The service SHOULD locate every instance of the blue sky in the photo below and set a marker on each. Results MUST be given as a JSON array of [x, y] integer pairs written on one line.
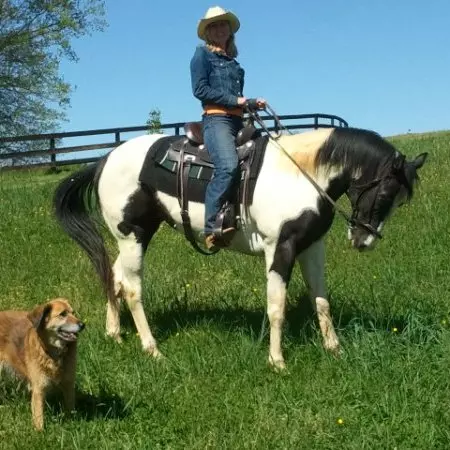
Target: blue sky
[[380, 64]]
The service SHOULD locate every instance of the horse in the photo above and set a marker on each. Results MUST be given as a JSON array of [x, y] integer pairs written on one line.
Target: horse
[[286, 221]]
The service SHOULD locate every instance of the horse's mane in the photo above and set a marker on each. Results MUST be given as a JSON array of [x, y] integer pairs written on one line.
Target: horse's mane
[[354, 149]]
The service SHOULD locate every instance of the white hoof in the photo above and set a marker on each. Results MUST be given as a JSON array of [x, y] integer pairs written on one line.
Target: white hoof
[[333, 347], [154, 352], [277, 364], [115, 336]]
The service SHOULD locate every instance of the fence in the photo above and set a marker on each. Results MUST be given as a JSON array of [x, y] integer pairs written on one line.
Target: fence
[[51, 149]]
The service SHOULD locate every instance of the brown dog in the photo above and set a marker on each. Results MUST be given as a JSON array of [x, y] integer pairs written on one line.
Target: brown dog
[[40, 346]]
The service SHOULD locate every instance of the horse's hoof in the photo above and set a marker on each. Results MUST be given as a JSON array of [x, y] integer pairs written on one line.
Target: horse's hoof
[[155, 353], [277, 364], [334, 350], [115, 337]]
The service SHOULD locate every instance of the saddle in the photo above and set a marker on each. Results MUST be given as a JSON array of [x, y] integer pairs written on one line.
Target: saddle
[[191, 151]]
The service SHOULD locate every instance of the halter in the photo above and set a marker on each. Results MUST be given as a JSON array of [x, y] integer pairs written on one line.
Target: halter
[[352, 220]]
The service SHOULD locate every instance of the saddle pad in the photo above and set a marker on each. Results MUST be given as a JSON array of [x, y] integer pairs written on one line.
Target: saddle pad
[[160, 174]]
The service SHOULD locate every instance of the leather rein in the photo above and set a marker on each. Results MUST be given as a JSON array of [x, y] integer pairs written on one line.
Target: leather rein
[[352, 219]]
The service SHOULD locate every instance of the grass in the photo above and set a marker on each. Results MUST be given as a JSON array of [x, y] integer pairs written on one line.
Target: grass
[[389, 390]]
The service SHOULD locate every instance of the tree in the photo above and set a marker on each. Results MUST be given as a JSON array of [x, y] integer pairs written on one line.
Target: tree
[[34, 36], [154, 121]]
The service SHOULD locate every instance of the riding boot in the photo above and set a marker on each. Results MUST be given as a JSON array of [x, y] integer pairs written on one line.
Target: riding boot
[[214, 241]]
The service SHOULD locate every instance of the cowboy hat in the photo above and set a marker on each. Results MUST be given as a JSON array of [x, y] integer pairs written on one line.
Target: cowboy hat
[[214, 14]]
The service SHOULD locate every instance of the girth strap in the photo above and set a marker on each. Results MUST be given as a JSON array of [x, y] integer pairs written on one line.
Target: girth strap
[[183, 169]]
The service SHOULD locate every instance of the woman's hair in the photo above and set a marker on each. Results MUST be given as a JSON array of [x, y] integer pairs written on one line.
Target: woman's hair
[[231, 49]]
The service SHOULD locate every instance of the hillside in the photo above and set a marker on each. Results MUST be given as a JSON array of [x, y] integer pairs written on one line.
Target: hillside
[[388, 389]]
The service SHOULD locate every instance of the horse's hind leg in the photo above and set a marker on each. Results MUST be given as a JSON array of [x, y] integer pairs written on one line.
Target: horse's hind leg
[[113, 305], [141, 218], [131, 256], [312, 262]]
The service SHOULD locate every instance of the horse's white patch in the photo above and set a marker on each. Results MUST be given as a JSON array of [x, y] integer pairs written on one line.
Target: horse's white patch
[[370, 239], [270, 210], [120, 177]]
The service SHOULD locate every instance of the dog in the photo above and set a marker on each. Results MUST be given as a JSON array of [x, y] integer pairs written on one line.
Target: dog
[[40, 346]]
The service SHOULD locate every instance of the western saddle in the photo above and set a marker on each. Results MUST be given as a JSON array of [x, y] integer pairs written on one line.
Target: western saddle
[[191, 151]]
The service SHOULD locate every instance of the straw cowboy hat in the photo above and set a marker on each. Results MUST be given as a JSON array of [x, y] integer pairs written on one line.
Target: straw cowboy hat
[[215, 14]]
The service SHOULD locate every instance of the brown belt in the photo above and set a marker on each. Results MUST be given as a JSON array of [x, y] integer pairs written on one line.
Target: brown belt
[[217, 109]]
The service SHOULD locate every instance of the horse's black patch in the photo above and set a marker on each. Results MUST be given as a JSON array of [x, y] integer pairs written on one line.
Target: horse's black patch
[[142, 216], [297, 235], [159, 173], [356, 148]]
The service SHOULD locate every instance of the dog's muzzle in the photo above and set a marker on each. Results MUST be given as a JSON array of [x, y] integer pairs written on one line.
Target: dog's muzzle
[[69, 332]]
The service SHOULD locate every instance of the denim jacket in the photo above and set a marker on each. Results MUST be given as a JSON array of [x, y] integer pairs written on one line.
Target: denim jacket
[[216, 79]]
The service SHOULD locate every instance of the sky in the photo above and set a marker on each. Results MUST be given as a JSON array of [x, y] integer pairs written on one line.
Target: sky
[[383, 65]]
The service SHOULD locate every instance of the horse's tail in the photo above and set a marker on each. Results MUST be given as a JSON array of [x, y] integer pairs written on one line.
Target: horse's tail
[[76, 197]]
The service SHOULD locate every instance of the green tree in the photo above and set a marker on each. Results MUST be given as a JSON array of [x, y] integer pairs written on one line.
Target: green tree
[[35, 35], [154, 121]]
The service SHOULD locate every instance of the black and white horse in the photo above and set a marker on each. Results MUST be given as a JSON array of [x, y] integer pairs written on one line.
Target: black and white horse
[[286, 221]]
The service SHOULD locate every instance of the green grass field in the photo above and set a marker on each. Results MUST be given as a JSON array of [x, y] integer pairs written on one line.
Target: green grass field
[[390, 389]]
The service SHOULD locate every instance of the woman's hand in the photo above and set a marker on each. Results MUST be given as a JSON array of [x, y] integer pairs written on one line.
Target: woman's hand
[[254, 104], [241, 101], [261, 103]]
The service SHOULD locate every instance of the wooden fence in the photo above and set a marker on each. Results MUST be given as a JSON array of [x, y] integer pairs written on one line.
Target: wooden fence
[[53, 144]]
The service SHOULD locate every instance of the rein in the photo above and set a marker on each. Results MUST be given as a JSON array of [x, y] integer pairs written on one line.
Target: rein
[[351, 220]]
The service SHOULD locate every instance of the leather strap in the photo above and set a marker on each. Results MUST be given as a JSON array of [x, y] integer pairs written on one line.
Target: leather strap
[[183, 169]]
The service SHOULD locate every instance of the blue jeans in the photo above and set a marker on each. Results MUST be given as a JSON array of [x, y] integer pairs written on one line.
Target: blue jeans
[[219, 133]]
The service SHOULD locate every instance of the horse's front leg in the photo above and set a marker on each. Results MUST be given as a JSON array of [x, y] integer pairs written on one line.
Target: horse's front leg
[[312, 262], [280, 258]]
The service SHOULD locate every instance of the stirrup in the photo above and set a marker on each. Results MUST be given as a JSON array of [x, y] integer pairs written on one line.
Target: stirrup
[[220, 239]]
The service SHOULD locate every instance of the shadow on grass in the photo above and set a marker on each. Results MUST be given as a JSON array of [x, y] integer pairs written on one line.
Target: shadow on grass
[[87, 407], [301, 324], [90, 407], [254, 322]]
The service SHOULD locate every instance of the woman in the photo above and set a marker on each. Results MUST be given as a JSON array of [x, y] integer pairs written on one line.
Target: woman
[[218, 82]]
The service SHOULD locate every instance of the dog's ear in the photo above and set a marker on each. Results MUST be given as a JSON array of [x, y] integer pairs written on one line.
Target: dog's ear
[[38, 315]]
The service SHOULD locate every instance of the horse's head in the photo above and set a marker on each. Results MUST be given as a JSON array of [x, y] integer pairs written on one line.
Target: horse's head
[[373, 200]]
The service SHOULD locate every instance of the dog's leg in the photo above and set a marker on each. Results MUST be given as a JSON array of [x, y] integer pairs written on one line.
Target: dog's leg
[[37, 407], [68, 390], [68, 379]]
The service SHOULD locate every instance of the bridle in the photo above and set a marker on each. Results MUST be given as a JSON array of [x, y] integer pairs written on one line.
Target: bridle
[[364, 189], [352, 220]]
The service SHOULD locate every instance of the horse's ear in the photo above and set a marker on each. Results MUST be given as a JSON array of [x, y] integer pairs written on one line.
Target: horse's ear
[[420, 160], [38, 315], [398, 163]]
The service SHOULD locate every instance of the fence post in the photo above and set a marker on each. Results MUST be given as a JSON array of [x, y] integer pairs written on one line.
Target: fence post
[[117, 137], [53, 155]]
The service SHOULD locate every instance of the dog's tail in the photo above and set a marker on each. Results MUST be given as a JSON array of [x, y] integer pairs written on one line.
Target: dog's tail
[[75, 199]]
